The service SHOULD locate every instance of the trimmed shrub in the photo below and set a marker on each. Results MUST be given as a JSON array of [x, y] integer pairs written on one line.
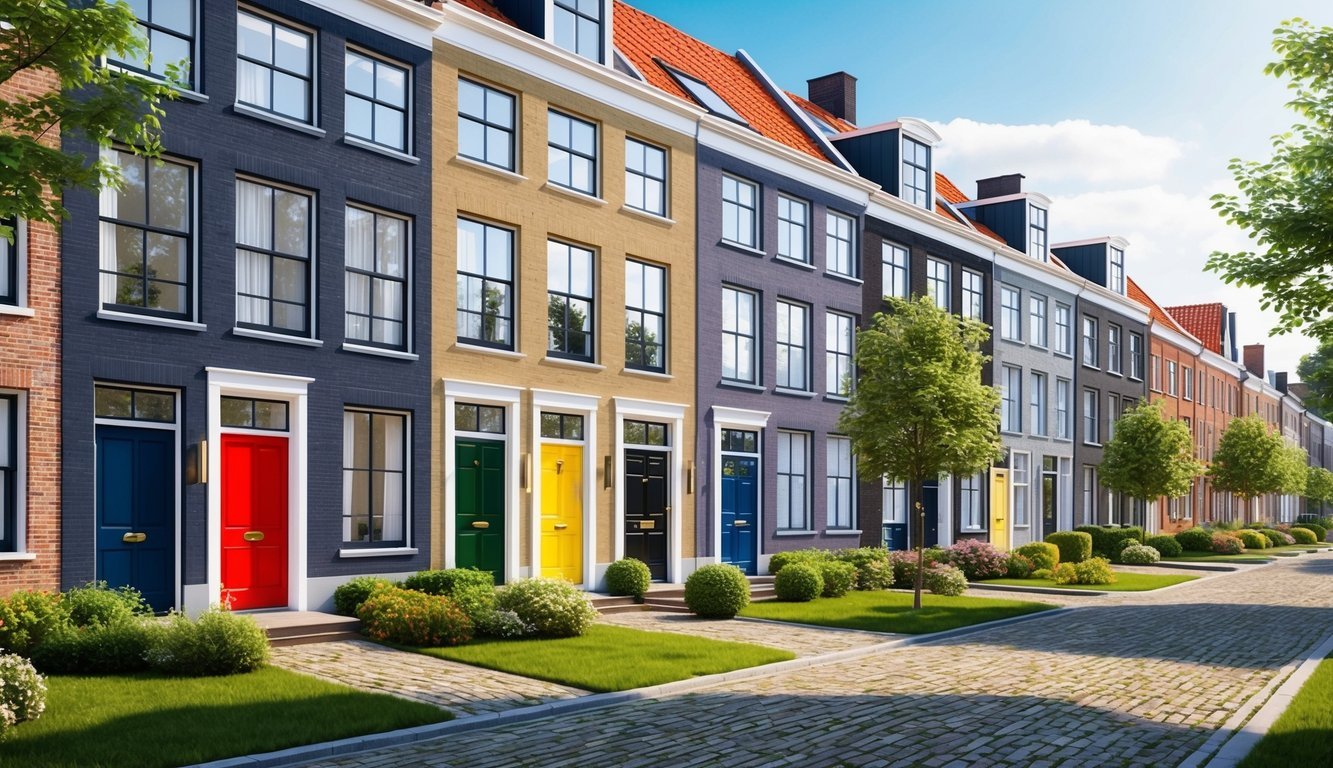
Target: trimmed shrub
[[1106, 540], [503, 624], [470, 589], [22, 691], [409, 617], [1074, 546], [874, 575], [96, 603], [1252, 539], [1043, 554], [944, 579], [121, 645], [550, 607], [717, 591], [1320, 532], [1020, 567], [1277, 538], [798, 583], [1298, 536], [351, 594], [839, 577], [1195, 540], [1227, 544], [1094, 570], [27, 617], [781, 560], [628, 576], [978, 560], [1139, 554], [1166, 546], [904, 564], [1043, 573], [219, 642]]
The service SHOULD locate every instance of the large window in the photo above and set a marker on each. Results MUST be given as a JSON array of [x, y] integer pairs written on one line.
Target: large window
[[273, 258], [840, 250], [1037, 403], [1187, 385], [645, 316], [1037, 320], [1089, 341], [793, 485], [841, 508], [275, 69], [1037, 238], [969, 502], [895, 502], [937, 282], [10, 276], [793, 229], [378, 94], [377, 275], [838, 354], [1089, 506], [1011, 314], [578, 27], [569, 301], [9, 471], [916, 173], [1156, 383], [485, 284], [1113, 348], [1117, 278], [974, 295], [168, 27], [1136, 356], [1091, 432], [1064, 329], [1064, 417], [894, 271], [374, 477], [645, 177], [740, 212], [793, 346], [1171, 378], [740, 325], [147, 238], [1011, 400], [1022, 480], [486, 124], [571, 153]]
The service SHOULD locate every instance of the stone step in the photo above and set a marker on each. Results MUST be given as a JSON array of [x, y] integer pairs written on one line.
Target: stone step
[[316, 637], [301, 627], [630, 608]]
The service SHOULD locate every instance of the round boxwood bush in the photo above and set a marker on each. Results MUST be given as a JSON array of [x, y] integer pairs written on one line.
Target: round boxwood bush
[[96, 603], [1302, 535], [1043, 554], [1195, 540], [550, 607], [1166, 546], [717, 591], [1139, 554], [838, 578], [1277, 538], [798, 583], [1094, 570], [1020, 566], [22, 691], [1320, 532], [351, 594], [944, 579], [219, 642], [1253, 539], [1227, 544], [1074, 546], [628, 576], [781, 560]]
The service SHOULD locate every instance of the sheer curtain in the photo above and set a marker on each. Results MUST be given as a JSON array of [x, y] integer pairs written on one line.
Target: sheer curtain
[[359, 254], [349, 451], [395, 478], [254, 227]]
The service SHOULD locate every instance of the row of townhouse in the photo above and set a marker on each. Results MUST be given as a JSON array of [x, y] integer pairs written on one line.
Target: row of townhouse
[[531, 286]]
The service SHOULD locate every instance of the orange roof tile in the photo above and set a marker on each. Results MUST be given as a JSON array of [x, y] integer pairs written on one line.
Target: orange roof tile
[[1154, 310], [1204, 321], [645, 40], [486, 8], [946, 189], [838, 124]]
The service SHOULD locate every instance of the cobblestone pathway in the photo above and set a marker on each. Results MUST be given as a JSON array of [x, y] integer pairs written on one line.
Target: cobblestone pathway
[[798, 640], [1140, 681], [459, 688]]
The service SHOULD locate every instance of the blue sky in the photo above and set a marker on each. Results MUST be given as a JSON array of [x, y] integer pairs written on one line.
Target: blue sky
[[1126, 113]]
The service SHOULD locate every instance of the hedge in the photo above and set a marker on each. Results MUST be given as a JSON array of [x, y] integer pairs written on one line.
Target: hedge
[[1074, 546]]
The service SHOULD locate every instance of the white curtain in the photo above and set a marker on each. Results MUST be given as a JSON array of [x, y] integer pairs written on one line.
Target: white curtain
[[254, 226], [393, 482], [349, 449]]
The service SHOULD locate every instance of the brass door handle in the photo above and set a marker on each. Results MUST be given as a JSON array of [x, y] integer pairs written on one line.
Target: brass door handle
[[645, 479], [667, 510], [561, 526], [476, 462], [481, 524], [134, 538], [253, 536]]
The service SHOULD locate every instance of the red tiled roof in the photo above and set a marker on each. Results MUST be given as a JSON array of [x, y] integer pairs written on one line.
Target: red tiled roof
[[645, 40], [1204, 321], [486, 8], [946, 189], [1154, 310], [840, 125]]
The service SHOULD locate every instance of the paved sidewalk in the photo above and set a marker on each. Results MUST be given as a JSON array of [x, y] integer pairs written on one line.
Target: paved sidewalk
[[799, 640], [1143, 680]]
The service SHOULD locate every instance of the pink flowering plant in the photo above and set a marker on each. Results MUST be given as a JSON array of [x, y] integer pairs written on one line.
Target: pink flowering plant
[[978, 560]]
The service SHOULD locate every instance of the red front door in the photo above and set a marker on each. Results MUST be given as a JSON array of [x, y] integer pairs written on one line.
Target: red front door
[[254, 521]]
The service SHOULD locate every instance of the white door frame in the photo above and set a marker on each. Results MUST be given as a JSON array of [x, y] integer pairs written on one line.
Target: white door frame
[[579, 405], [750, 421], [674, 415], [484, 394]]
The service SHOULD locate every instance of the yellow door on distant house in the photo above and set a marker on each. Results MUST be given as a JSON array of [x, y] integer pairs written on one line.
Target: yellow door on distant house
[[999, 508], [562, 512]]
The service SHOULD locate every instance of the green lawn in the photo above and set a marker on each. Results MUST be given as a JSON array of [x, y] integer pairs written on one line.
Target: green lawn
[[1250, 556], [1124, 582], [610, 658], [881, 611], [1303, 735], [140, 721]]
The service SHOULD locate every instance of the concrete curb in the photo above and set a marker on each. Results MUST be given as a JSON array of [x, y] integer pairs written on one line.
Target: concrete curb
[[1040, 590], [1218, 567]]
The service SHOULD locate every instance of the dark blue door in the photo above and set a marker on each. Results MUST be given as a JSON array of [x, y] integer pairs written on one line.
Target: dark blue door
[[930, 500], [136, 511], [740, 512]]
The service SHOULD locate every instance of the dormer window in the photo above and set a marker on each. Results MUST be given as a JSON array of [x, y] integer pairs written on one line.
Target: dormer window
[[705, 95], [1116, 276], [916, 173], [578, 27], [1037, 237]]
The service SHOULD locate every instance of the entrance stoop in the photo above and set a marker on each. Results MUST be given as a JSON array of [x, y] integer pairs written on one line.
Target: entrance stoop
[[301, 627]]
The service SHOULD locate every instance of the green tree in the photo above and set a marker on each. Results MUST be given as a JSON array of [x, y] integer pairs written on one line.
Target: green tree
[[1319, 485], [1250, 460], [1150, 456], [1286, 203], [1316, 372], [1295, 464], [69, 40], [919, 408]]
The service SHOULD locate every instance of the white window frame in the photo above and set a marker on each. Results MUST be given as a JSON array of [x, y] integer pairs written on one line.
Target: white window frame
[[1037, 331], [1187, 382], [1113, 410], [1088, 340], [1064, 412], [732, 209], [408, 453], [786, 439], [18, 252], [1089, 504], [1037, 403], [1116, 270], [1020, 480], [1038, 237], [939, 273], [1064, 329], [905, 164], [836, 358], [840, 471], [895, 270], [835, 244], [1011, 399], [972, 517], [1011, 313], [1114, 349], [784, 328], [1091, 417], [1136, 356], [974, 295], [17, 440], [1172, 385], [794, 230]]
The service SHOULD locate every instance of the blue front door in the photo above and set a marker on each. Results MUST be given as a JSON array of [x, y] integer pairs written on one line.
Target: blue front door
[[740, 512], [136, 511]]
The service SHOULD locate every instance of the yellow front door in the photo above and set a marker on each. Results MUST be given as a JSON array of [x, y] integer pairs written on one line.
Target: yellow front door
[[999, 509], [562, 512]]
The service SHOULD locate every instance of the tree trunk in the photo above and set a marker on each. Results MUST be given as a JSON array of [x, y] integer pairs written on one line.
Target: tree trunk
[[919, 526]]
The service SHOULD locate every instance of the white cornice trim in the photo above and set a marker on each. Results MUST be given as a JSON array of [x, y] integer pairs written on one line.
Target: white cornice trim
[[1037, 198], [912, 126], [743, 143], [1188, 343], [413, 22], [1115, 240]]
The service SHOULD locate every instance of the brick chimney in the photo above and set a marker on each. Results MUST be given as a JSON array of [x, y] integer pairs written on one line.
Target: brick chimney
[[998, 186], [835, 93], [1253, 357]]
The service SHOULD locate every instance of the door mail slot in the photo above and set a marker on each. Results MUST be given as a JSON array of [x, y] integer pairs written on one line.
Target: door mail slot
[[134, 538], [253, 536], [647, 525], [481, 524], [741, 523]]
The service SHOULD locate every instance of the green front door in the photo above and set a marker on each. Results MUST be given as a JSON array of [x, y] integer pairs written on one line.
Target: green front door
[[480, 505]]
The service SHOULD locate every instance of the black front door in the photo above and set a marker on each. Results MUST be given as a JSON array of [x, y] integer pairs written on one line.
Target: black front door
[[930, 500], [1050, 500], [646, 509]]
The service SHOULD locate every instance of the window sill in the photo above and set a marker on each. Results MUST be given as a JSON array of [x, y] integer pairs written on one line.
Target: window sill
[[1132, 377], [251, 333], [1011, 433], [649, 215], [1116, 374], [17, 556], [837, 398], [1092, 445], [5, 309], [574, 194], [793, 533], [573, 363], [844, 278], [1065, 355], [372, 552], [743, 248], [647, 374], [503, 173], [460, 346], [370, 146], [165, 322], [841, 532], [1018, 342], [794, 263], [184, 93], [972, 530], [1091, 367], [793, 392], [742, 385], [393, 353], [278, 120]]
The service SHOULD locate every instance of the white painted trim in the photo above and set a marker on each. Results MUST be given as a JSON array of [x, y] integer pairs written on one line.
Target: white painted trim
[[585, 406], [1114, 241], [736, 418], [795, 112], [6, 309], [21, 270], [21, 474], [568, 363], [675, 414], [377, 552], [10, 557], [376, 351], [412, 22], [163, 322]]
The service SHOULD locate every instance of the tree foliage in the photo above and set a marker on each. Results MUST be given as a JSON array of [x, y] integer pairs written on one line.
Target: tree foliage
[[1251, 460], [1150, 456], [69, 41], [1319, 484], [1295, 465], [1316, 371]]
